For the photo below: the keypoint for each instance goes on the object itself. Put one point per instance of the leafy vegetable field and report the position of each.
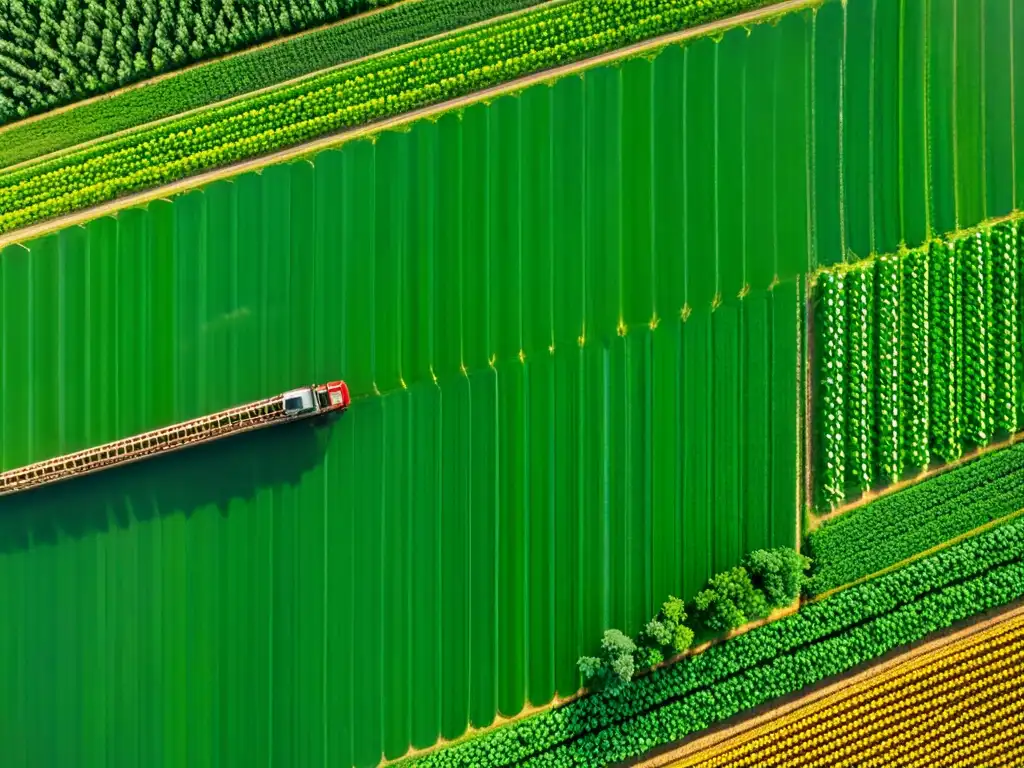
(246, 71)
(354, 95)
(917, 359)
(823, 639)
(887, 531)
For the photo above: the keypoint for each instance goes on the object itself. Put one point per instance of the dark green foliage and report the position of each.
(730, 601)
(667, 632)
(614, 667)
(779, 573)
(885, 532)
(61, 51)
(823, 638)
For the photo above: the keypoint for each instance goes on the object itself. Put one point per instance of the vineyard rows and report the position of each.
(917, 359)
(960, 701)
(354, 95)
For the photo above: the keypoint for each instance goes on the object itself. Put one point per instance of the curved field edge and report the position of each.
(769, 722)
(422, 76)
(981, 573)
(244, 72)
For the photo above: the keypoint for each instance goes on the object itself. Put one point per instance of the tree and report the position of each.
(615, 666)
(779, 573)
(730, 601)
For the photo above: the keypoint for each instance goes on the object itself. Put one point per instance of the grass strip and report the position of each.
(244, 72)
(415, 77)
(893, 528)
(547, 738)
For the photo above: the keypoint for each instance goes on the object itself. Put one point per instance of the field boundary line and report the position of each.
(902, 485)
(913, 558)
(259, 91)
(978, 624)
(332, 140)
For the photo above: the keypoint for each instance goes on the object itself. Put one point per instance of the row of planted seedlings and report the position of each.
(916, 360)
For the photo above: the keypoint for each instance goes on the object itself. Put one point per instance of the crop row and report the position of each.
(887, 531)
(917, 358)
(823, 638)
(61, 51)
(899, 710)
(363, 92)
(244, 72)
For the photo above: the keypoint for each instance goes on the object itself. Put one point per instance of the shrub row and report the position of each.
(896, 608)
(768, 579)
(788, 673)
(246, 71)
(58, 51)
(893, 528)
(920, 361)
(363, 92)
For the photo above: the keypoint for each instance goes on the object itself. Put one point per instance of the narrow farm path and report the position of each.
(332, 140)
(764, 715)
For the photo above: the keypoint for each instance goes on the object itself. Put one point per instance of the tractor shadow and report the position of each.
(214, 474)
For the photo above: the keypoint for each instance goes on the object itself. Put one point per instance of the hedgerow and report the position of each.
(767, 579)
(823, 638)
(354, 95)
(244, 72)
(58, 51)
(893, 528)
(945, 359)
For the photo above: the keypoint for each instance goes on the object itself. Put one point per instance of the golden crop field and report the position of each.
(957, 705)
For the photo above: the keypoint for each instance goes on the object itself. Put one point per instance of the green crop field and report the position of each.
(392, 25)
(611, 333)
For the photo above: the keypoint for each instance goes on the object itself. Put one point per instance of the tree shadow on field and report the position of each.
(218, 473)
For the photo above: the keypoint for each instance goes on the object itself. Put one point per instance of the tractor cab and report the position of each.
(332, 396)
(299, 401)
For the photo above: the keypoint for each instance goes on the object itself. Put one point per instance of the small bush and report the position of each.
(779, 573)
(730, 601)
(614, 667)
